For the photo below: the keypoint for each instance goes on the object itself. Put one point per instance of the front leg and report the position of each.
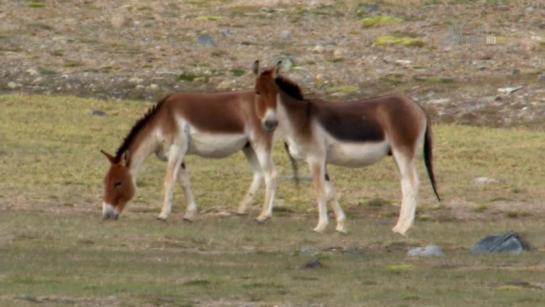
(265, 160)
(317, 171)
(175, 158)
(248, 199)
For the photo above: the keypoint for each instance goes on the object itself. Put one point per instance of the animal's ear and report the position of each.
(255, 67)
(125, 160)
(108, 156)
(278, 67)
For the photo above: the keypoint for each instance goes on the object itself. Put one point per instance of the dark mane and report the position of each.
(289, 87)
(136, 128)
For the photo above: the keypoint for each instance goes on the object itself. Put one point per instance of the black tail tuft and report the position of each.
(428, 157)
(293, 165)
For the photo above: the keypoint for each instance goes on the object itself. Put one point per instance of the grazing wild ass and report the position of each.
(351, 134)
(208, 125)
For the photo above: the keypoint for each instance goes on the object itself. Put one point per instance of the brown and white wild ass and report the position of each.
(208, 125)
(351, 134)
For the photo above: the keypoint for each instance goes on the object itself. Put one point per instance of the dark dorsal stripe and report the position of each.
(139, 125)
(289, 87)
(350, 124)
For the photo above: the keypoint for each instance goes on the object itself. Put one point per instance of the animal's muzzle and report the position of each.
(109, 212)
(270, 124)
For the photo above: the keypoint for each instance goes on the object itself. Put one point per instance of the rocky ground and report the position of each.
(476, 62)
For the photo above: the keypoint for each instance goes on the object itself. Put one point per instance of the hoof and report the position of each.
(162, 219)
(262, 218)
(189, 216)
(320, 228)
(341, 228)
(400, 230)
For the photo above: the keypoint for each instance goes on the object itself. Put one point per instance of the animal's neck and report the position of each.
(143, 145)
(297, 114)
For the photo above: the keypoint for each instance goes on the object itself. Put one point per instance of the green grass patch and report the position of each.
(56, 249)
(407, 41)
(381, 20)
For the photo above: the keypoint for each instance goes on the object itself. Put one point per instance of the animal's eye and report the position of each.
(258, 93)
(117, 184)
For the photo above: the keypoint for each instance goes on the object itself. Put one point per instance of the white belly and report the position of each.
(356, 154)
(213, 145)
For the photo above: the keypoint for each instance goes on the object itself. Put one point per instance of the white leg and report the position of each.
(318, 173)
(256, 181)
(334, 201)
(266, 163)
(191, 206)
(409, 189)
(175, 158)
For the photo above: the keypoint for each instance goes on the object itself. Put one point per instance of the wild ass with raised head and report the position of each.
(351, 134)
(207, 125)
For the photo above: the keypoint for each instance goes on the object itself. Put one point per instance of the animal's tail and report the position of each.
(428, 157)
(293, 165)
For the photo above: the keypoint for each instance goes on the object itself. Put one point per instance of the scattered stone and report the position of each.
(98, 113)
(439, 101)
(286, 34)
(153, 87)
(287, 64)
(223, 214)
(136, 80)
(224, 85)
(206, 40)
(404, 62)
(509, 90)
(338, 54)
(312, 264)
(516, 72)
(308, 250)
(118, 21)
(32, 72)
(13, 85)
(485, 180)
(541, 77)
(426, 251)
(510, 242)
(318, 49)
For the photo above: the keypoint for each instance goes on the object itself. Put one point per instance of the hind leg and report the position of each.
(334, 201)
(409, 188)
(317, 170)
(191, 209)
(256, 181)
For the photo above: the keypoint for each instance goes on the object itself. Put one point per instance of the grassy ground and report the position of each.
(56, 250)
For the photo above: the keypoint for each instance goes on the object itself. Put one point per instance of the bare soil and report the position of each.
(467, 51)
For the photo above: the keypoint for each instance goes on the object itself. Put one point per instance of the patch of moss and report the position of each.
(37, 4)
(208, 18)
(342, 90)
(381, 20)
(237, 72)
(406, 41)
(187, 76)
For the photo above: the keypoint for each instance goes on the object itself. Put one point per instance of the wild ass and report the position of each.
(208, 125)
(351, 134)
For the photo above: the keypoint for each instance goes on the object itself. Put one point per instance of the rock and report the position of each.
(32, 72)
(153, 87)
(287, 64)
(439, 101)
(118, 21)
(338, 54)
(510, 242)
(485, 180)
(426, 251)
(286, 34)
(312, 264)
(509, 90)
(224, 85)
(308, 250)
(206, 40)
(139, 86)
(13, 85)
(136, 80)
(318, 49)
(541, 77)
(98, 113)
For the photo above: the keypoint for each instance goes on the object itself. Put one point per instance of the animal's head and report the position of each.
(266, 95)
(118, 186)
